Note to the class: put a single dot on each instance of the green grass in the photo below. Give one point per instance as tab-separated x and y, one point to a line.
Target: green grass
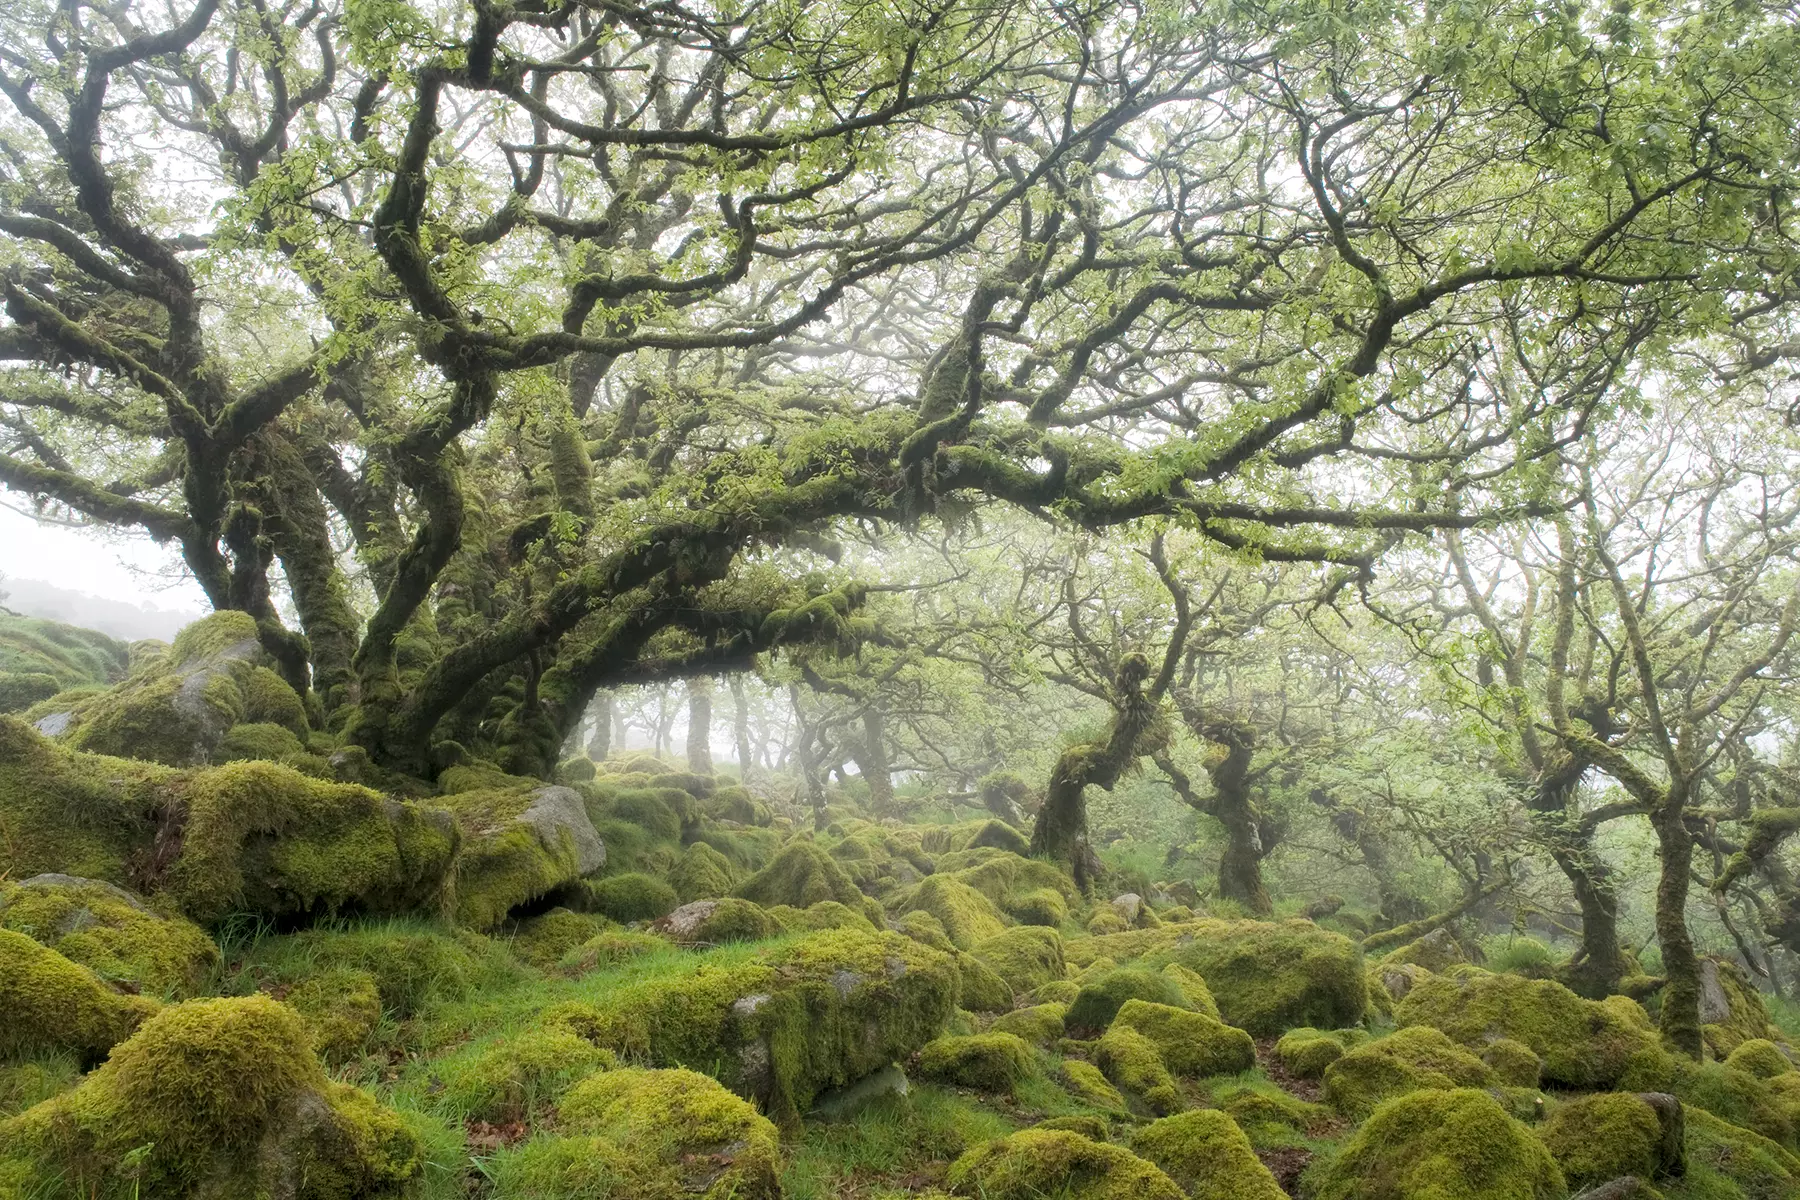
902	1143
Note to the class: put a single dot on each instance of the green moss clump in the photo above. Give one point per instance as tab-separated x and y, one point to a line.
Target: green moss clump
827	914
1035	1163
1271	976
268	700
111	932
220	1093
1411	1060
1208	1155
211	636
801	876
19	690
1133	1062
988	1062
1057	991
1271	1117
1306	1052
517	1077
1101	997
35	1080
1760	1057
1603	1136
702	874
341	1007
1041	1024
983	990
968	916
1199	996
925	929
1027	957
1106	920
1455	1145
1190	1043
1727	1162
609	949
1736	1096
264	838
1515	1064
541	941
1095	1129
716	922
53	1004
1584	1043
820	1012
256	740
655	1134
629	897
1040	906
1089	1083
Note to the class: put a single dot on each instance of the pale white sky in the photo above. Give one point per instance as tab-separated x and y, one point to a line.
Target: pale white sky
114	564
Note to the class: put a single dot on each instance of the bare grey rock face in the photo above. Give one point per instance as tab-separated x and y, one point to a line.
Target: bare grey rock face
685	922
558	811
1715	1006
1128	906
54	724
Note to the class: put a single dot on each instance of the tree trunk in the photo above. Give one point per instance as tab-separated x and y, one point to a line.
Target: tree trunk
740	728
1680	1017
1598	966
872	761
600	741
699	731
1240	865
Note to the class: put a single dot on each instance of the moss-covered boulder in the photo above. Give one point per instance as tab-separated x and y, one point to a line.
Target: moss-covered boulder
1760	1057
542	940
83	815
263	838
112	932
216	1097
1731	1009
1605	1135
1271	1117
982	988
1102	995
518	845
1267	976
1089	1083
1208	1156
1027	957
1134	1064
818	1013
1306	1052
801	875
1726	1161
1583	1043
1454	1145
1036	1163
826	914
52	1004
36	653
632	896
1039	906
968	917
715	922
1199	996
1039	1024
1410	1060
1190	1043
515	1077
988	1062
702	874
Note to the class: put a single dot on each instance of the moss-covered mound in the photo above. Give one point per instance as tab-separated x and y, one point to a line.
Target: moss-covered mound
1088	1082
111	932
1729	1162
177	708
702	874
819	1013
542	940
39	658
989	1062
1190	1043
1133	1062
1039	1024
516	1077
1102	995
1267	976
654	1134
1583	1043
1036	1163
224	1093
1306	1052
518	845
1208	1156
715	922
1603	1136
1760	1057
260	837
78	814
48	1003
1731	1009
967	915
1411	1060
982	988
1027	957
801	876
1455	1145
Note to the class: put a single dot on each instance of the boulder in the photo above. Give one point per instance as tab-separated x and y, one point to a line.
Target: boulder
988	1062
1026	958
1605	1135
111	931
53	1004
1410	1060
1457	1143
1034	1163
518	845
1189	1043
1208	1156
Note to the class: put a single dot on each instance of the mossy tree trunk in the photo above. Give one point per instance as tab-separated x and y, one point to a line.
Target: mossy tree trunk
740	728
871	757
1600	963
600	740
699	729
1680	1011
1249	835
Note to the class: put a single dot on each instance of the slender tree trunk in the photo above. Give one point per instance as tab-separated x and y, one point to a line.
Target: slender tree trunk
1060	831
600	741
699	731
1681	966
1600	963
1240	865
872	761
740	728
